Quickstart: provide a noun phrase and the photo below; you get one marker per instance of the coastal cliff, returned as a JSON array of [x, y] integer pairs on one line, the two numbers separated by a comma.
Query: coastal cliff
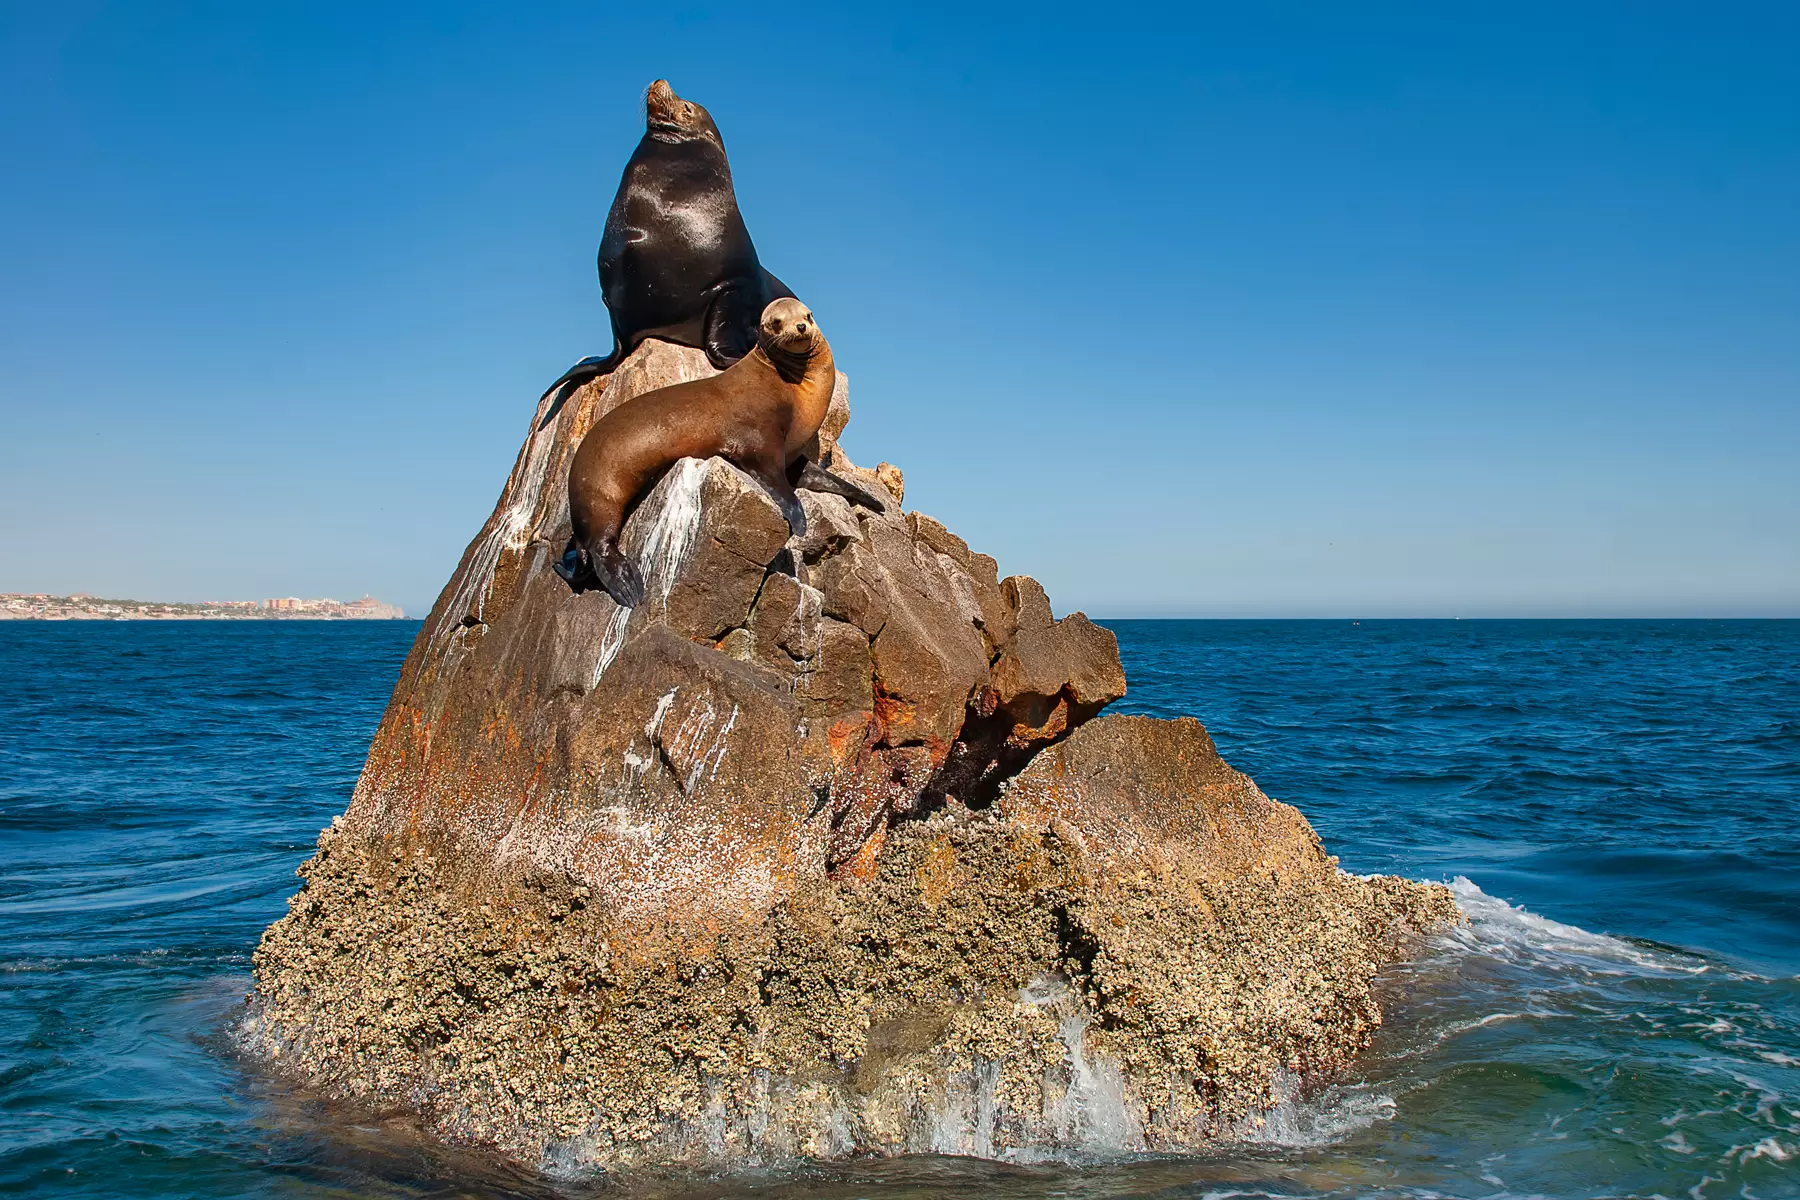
[[823, 849]]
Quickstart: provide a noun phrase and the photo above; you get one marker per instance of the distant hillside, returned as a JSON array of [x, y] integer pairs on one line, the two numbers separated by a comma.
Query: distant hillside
[[20, 606]]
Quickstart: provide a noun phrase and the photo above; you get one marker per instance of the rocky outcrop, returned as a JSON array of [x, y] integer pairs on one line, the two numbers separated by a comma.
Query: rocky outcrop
[[819, 850]]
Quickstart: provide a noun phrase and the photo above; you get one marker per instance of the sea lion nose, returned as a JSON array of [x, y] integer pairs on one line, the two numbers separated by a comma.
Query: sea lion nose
[[801, 327]]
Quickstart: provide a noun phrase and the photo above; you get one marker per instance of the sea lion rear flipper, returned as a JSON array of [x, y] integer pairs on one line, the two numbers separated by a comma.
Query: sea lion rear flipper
[[588, 368], [815, 478]]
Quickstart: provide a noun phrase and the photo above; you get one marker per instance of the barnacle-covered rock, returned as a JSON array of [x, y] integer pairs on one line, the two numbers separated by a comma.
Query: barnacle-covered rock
[[820, 850]]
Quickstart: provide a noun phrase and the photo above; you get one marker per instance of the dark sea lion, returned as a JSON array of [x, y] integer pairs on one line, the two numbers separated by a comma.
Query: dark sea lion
[[676, 261], [759, 414]]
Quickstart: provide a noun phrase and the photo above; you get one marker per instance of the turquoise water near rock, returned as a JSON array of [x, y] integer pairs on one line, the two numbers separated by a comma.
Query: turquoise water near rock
[[1617, 804]]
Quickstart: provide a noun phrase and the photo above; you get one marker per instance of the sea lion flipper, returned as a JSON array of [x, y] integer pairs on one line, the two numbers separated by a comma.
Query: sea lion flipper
[[618, 575], [572, 566], [815, 478], [782, 493], [591, 367], [583, 570], [730, 327]]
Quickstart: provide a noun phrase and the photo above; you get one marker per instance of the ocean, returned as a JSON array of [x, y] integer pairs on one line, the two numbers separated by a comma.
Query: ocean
[[1616, 803]]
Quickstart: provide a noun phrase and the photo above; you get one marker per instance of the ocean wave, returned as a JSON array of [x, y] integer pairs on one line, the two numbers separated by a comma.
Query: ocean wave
[[1301, 1122], [160, 958], [1513, 931]]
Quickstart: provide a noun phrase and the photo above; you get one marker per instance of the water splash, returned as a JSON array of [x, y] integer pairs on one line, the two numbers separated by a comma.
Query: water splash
[[1298, 1121], [1514, 932], [964, 1118], [1093, 1114]]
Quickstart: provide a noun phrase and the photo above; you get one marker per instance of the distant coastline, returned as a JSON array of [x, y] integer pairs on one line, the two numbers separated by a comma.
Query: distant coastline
[[24, 606]]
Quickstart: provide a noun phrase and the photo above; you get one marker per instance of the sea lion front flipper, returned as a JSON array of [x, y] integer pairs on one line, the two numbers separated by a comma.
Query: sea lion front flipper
[[782, 493], [618, 575], [583, 570], [815, 478], [730, 327]]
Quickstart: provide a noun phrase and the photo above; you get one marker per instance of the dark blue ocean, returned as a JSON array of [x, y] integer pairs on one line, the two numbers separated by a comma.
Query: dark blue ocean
[[1616, 803]]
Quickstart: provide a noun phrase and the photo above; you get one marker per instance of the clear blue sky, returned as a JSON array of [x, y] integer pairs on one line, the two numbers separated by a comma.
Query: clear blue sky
[[1338, 310]]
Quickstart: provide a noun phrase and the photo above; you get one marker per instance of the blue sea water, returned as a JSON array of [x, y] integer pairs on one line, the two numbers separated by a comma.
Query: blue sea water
[[1617, 803]]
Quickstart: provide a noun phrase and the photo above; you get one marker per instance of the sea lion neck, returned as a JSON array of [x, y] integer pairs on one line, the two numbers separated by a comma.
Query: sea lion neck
[[666, 136], [682, 144], [794, 365]]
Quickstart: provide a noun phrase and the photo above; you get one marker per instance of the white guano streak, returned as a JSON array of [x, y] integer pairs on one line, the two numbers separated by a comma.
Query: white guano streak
[[665, 552], [510, 529]]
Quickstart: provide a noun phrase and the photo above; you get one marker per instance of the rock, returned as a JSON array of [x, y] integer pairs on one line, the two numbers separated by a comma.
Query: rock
[[831, 526], [1030, 606], [932, 533], [1073, 661], [1144, 794], [1193, 869], [707, 819], [837, 415], [821, 850], [892, 480], [738, 533]]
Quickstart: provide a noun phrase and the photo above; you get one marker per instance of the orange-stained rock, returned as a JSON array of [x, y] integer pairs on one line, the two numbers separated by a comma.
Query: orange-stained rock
[[817, 852], [503, 739]]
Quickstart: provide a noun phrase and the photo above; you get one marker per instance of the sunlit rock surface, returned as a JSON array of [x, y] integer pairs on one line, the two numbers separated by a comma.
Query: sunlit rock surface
[[819, 851]]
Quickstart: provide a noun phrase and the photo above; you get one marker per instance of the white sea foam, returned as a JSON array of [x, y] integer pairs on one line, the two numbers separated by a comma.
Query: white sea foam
[[1512, 931], [1320, 1120]]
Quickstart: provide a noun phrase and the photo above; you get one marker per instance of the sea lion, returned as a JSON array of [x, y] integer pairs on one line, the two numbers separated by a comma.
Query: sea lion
[[676, 261], [758, 414]]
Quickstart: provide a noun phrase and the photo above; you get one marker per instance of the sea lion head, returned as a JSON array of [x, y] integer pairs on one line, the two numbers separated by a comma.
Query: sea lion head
[[669, 118], [788, 325], [789, 338]]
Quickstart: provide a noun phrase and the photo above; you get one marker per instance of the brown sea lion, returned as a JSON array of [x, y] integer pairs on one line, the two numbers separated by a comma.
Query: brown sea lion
[[676, 261], [758, 415]]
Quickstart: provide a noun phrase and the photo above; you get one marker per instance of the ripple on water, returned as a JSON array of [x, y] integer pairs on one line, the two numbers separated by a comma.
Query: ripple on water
[[1625, 1021]]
